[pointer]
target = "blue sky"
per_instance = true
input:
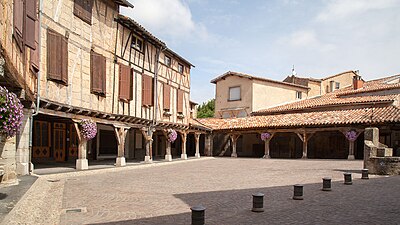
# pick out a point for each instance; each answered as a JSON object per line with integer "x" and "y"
{"x": 265, "y": 38}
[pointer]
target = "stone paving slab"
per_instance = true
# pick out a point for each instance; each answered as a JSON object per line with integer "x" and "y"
{"x": 163, "y": 194}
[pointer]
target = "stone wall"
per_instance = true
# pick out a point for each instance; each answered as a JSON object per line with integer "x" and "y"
{"x": 7, "y": 159}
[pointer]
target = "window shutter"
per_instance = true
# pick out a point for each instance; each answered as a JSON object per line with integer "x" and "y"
{"x": 147, "y": 90}
{"x": 180, "y": 101}
{"x": 30, "y": 19}
{"x": 18, "y": 12}
{"x": 166, "y": 96}
{"x": 64, "y": 60}
{"x": 97, "y": 73}
{"x": 83, "y": 10}
{"x": 53, "y": 58}
{"x": 124, "y": 82}
{"x": 35, "y": 53}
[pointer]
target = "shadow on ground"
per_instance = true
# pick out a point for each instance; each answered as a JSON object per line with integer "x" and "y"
{"x": 374, "y": 201}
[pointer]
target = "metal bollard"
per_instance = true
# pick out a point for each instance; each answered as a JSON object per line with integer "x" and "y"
{"x": 326, "y": 184}
{"x": 298, "y": 192}
{"x": 258, "y": 202}
{"x": 347, "y": 179}
{"x": 198, "y": 213}
{"x": 364, "y": 174}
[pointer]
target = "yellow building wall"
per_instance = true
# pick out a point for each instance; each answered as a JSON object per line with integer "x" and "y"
{"x": 345, "y": 79}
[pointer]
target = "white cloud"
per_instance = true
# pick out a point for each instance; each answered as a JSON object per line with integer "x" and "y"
{"x": 306, "y": 39}
{"x": 171, "y": 18}
{"x": 341, "y": 9}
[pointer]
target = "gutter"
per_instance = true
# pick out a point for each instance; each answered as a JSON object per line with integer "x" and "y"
{"x": 36, "y": 112}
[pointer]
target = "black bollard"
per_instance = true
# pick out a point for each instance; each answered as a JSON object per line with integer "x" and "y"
{"x": 198, "y": 213}
{"x": 326, "y": 184}
{"x": 298, "y": 192}
{"x": 258, "y": 202}
{"x": 347, "y": 178}
{"x": 364, "y": 174}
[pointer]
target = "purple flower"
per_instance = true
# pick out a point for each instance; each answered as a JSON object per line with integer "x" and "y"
{"x": 88, "y": 129}
{"x": 172, "y": 135}
{"x": 265, "y": 136}
{"x": 351, "y": 135}
{"x": 11, "y": 113}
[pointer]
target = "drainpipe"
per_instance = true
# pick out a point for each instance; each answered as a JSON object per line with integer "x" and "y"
{"x": 38, "y": 88}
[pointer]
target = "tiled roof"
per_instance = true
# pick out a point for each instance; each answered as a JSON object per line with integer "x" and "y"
{"x": 340, "y": 98}
{"x": 197, "y": 124}
{"x": 231, "y": 73}
{"x": 334, "y": 117}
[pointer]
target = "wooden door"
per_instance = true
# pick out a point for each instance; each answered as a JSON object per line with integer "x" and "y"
{"x": 59, "y": 141}
{"x": 73, "y": 142}
{"x": 41, "y": 139}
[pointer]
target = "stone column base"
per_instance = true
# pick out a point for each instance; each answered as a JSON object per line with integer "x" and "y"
{"x": 147, "y": 159}
{"x": 82, "y": 164}
{"x": 197, "y": 155}
{"x": 168, "y": 158}
{"x": 266, "y": 157}
{"x": 304, "y": 157}
{"x": 234, "y": 154}
{"x": 22, "y": 168}
{"x": 120, "y": 161}
{"x": 351, "y": 157}
{"x": 183, "y": 156}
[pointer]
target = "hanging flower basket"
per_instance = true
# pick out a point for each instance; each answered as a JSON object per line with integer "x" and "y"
{"x": 172, "y": 135}
{"x": 265, "y": 136}
{"x": 88, "y": 129}
{"x": 351, "y": 135}
{"x": 11, "y": 113}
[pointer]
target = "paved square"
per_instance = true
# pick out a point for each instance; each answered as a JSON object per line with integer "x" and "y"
{"x": 163, "y": 194}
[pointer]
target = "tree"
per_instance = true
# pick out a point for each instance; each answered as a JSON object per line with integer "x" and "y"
{"x": 206, "y": 110}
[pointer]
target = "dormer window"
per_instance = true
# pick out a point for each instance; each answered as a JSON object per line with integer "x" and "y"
{"x": 137, "y": 43}
{"x": 337, "y": 85}
{"x": 180, "y": 68}
{"x": 167, "y": 60}
{"x": 298, "y": 94}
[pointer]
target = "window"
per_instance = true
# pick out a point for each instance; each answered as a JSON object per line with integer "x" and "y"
{"x": 298, "y": 94}
{"x": 137, "y": 43}
{"x": 180, "y": 68}
{"x": 97, "y": 73}
{"x": 234, "y": 94}
{"x": 125, "y": 83}
{"x": 167, "y": 96}
{"x": 180, "y": 101}
{"x": 147, "y": 90}
{"x": 24, "y": 23}
{"x": 337, "y": 85}
{"x": 57, "y": 57}
{"x": 83, "y": 10}
{"x": 167, "y": 60}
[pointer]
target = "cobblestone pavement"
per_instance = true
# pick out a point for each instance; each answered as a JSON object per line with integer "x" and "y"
{"x": 163, "y": 194}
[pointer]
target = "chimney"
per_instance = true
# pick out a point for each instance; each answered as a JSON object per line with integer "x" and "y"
{"x": 357, "y": 81}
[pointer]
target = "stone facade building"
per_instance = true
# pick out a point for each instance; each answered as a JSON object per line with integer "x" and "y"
{"x": 76, "y": 59}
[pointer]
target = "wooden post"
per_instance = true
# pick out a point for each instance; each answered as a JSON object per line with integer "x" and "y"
{"x": 183, "y": 136}
{"x": 305, "y": 137}
{"x": 208, "y": 147}
{"x": 148, "y": 135}
{"x": 234, "y": 138}
{"x": 266, "y": 147}
{"x": 197, "y": 138}
{"x": 120, "y": 133}
{"x": 81, "y": 162}
{"x": 168, "y": 155}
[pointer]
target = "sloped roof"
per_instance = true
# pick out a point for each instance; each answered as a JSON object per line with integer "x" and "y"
{"x": 333, "y": 117}
{"x": 232, "y": 73}
{"x": 339, "y": 97}
{"x": 123, "y": 3}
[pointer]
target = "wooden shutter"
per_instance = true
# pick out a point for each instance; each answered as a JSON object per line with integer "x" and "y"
{"x": 30, "y": 19}
{"x": 124, "y": 82}
{"x": 180, "y": 101}
{"x": 35, "y": 53}
{"x": 167, "y": 96}
{"x": 147, "y": 90}
{"x": 53, "y": 56}
{"x": 83, "y": 10}
{"x": 18, "y": 11}
{"x": 97, "y": 73}
{"x": 64, "y": 59}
